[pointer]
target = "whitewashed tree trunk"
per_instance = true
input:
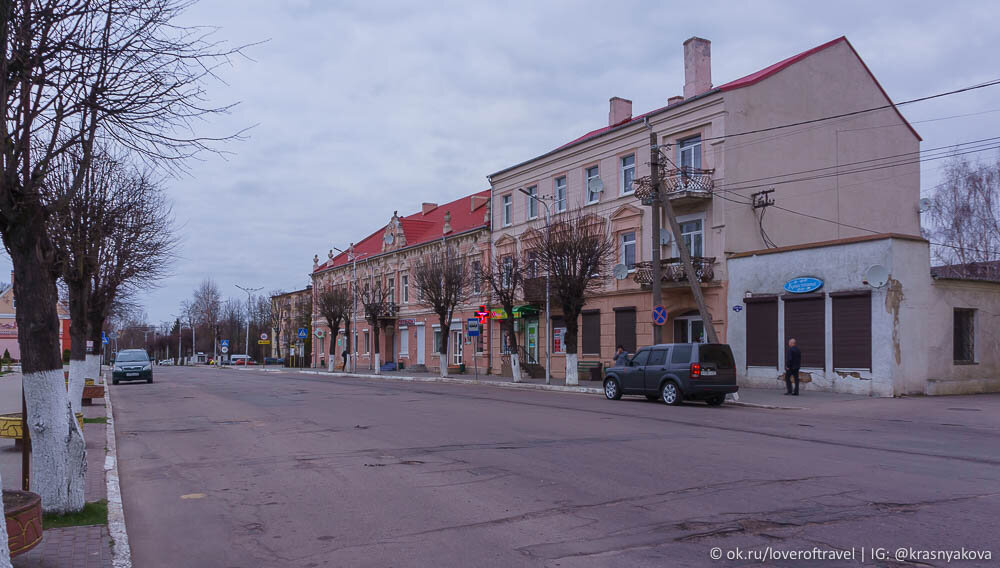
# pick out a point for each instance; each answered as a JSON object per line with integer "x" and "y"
{"x": 378, "y": 363}
{"x": 58, "y": 457}
{"x": 515, "y": 367}
{"x": 571, "y": 375}
{"x": 77, "y": 376}
{"x": 4, "y": 546}
{"x": 93, "y": 369}
{"x": 330, "y": 363}
{"x": 443, "y": 358}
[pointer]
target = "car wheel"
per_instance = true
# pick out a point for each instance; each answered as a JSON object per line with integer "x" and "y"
{"x": 671, "y": 393}
{"x": 653, "y": 397}
{"x": 716, "y": 400}
{"x": 114, "y": 381}
{"x": 612, "y": 389}
{"x": 149, "y": 380}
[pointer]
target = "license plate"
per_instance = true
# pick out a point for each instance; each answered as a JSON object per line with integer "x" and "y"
{"x": 708, "y": 372}
{"x": 131, "y": 374}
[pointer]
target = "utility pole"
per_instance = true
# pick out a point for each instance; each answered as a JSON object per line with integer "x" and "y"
{"x": 657, "y": 284}
{"x": 249, "y": 291}
{"x": 692, "y": 278}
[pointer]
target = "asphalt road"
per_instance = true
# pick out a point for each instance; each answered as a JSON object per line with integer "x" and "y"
{"x": 227, "y": 468}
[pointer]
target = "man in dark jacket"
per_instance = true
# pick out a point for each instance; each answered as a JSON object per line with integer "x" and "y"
{"x": 793, "y": 361}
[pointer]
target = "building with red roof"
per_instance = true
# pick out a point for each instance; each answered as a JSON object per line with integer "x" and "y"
{"x": 411, "y": 335}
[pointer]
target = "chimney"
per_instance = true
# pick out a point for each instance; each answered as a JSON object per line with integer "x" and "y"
{"x": 477, "y": 201}
{"x": 428, "y": 207}
{"x": 697, "y": 67}
{"x": 674, "y": 100}
{"x": 621, "y": 110}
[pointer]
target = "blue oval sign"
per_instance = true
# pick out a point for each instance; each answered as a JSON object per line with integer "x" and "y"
{"x": 803, "y": 285}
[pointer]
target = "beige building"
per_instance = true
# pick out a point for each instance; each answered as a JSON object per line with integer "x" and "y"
{"x": 292, "y": 311}
{"x": 817, "y": 128}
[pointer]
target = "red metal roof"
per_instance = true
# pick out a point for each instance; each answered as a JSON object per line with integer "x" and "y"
{"x": 420, "y": 228}
{"x": 751, "y": 79}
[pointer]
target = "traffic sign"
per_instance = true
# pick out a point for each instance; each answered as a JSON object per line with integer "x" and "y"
{"x": 472, "y": 325}
{"x": 224, "y": 343}
{"x": 264, "y": 342}
{"x": 303, "y": 333}
{"x": 263, "y": 337}
{"x": 659, "y": 315}
{"x": 224, "y": 349}
{"x": 104, "y": 338}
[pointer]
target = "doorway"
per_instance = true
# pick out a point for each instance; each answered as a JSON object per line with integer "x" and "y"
{"x": 531, "y": 341}
{"x": 689, "y": 329}
{"x": 457, "y": 349}
{"x": 420, "y": 344}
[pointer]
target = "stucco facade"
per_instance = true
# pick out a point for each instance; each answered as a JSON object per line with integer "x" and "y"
{"x": 829, "y": 173}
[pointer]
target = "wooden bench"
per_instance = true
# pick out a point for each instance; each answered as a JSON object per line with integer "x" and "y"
{"x": 11, "y": 426}
{"x": 583, "y": 369}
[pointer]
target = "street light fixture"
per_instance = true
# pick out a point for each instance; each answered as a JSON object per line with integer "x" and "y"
{"x": 246, "y": 348}
{"x": 548, "y": 317}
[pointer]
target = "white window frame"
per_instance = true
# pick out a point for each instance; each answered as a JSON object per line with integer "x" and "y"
{"x": 586, "y": 183}
{"x": 404, "y": 342}
{"x": 691, "y": 145}
{"x": 559, "y": 193}
{"x": 532, "y": 202}
{"x": 506, "y": 270}
{"x": 368, "y": 342}
{"x": 405, "y": 282}
{"x": 392, "y": 289}
{"x": 506, "y": 210}
{"x": 623, "y": 244}
{"x": 687, "y": 218}
{"x": 477, "y": 277}
{"x": 622, "y": 171}
{"x": 456, "y": 342}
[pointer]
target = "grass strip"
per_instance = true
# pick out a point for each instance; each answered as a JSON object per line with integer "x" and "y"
{"x": 97, "y": 420}
{"x": 93, "y": 513}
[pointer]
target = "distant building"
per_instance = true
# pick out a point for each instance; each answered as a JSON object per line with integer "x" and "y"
{"x": 8, "y": 324}
{"x": 292, "y": 310}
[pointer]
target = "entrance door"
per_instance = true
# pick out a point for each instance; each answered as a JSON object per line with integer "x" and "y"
{"x": 532, "y": 341}
{"x": 420, "y": 344}
{"x": 456, "y": 346}
{"x": 689, "y": 329}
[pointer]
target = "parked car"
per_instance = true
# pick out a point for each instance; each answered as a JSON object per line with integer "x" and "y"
{"x": 274, "y": 360}
{"x": 132, "y": 365}
{"x": 241, "y": 360}
{"x": 166, "y": 362}
{"x": 674, "y": 372}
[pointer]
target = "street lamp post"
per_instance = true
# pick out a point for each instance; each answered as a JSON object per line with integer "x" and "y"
{"x": 548, "y": 318}
{"x": 249, "y": 291}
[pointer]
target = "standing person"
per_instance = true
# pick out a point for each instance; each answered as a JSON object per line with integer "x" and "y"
{"x": 793, "y": 361}
{"x": 344, "y": 356}
{"x": 621, "y": 357}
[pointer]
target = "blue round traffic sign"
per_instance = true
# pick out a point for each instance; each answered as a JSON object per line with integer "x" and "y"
{"x": 659, "y": 315}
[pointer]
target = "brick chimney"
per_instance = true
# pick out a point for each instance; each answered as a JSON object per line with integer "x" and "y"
{"x": 621, "y": 110}
{"x": 697, "y": 67}
{"x": 428, "y": 207}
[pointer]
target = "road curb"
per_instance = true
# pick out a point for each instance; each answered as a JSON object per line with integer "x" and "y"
{"x": 121, "y": 552}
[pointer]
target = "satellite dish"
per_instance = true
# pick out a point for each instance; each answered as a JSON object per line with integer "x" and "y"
{"x": 621, "y": 272}
{"x": 877, "y": 276}
{"x": 664, "y": 237}
{"x": 925, "y": 204}
{"x": 595, "y": 185}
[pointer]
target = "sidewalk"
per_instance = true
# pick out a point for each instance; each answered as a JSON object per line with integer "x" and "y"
{"x": 749, "y": 397}
{"x": 76, "y": 547}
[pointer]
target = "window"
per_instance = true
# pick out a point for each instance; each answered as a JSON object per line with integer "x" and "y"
{"x": 392, "y": 289}
{"x": 404, "y": 342}
{"x": 593, "y": 175}
{"x": 852, "y": 331}
{"x": 477, "y": 277}
{"x": 532, "y": 268}
{"x": 506, "y": 271}
{"x": 559, "y": 190}
{"x": 681, "y": 355}
{"x": 689, "y": 329}
{"x": 693, "y": 233}
{"x": 406, "y": 288}
{"x": 627, "y": 174}
{"x": 437, "y": 339}
{"x": 627, "y": 256}
{"x": 640, "y": 358}
{"x": 507, "y": 210}
{"x": 532, "y": 204}
{"x": 368, "y": 347}
{"x": 805, "y": 320}
{"x": 558, "y": 335}
{"x": 456, "y": 346}
{"x": 657, "y": 358}
{"x": 762, "y": 332}
{"x": 964, "y": 339}
{"x": 504, "y": 340}
{"x": 689, "y": 153}
{"x": 625, "y": 328}
{"x": 592, "y": 333}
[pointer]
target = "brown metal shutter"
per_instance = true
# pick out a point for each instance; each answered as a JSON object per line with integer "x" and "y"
{"x": 592, "y": 333}
{"x": 805, "y": 321}
{"x": 762, "y": 332}
{"x": 852, "y": 332}
{"x": 625, "y": 328}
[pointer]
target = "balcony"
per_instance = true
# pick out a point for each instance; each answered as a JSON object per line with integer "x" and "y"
{"x": 673, "y": 270}
{"x": 685, "y": 186}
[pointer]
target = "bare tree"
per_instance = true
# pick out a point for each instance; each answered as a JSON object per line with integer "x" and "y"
{"x": 375, "y": 300}
{"x": 443, "y": 282}
{"x": 577, "y": 251}
{"x": 965, "y": 217}
{"x": 334, "y": 304}
{"x": 277, "y": 320}
{"x": 505, "y": 277}
{"x": 206, "y": 304}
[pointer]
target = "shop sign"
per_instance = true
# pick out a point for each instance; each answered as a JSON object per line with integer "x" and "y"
{"x": 407, "y": 322}
{"x": 803, "y": 285}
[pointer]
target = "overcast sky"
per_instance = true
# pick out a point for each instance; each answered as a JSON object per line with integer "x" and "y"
{"x": 362, "y": 108}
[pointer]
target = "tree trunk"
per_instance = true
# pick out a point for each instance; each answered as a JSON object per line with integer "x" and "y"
{"x": 4, "y": 545}
{"x": 515, "y": 354}
{"x": 57, "y": 441}
{"x": 443, "y": 352}
{"x": 570, "y": 341}
{"x": 78, "y": 293}
{"x": 375, "y": 338}
{"x": 347, "y": 345}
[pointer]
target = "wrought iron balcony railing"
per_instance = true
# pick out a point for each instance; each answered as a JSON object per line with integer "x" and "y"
{"x": 672, "y": 270}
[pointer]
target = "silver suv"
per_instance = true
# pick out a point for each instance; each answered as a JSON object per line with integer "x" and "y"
{"x": 673, "y": 372}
